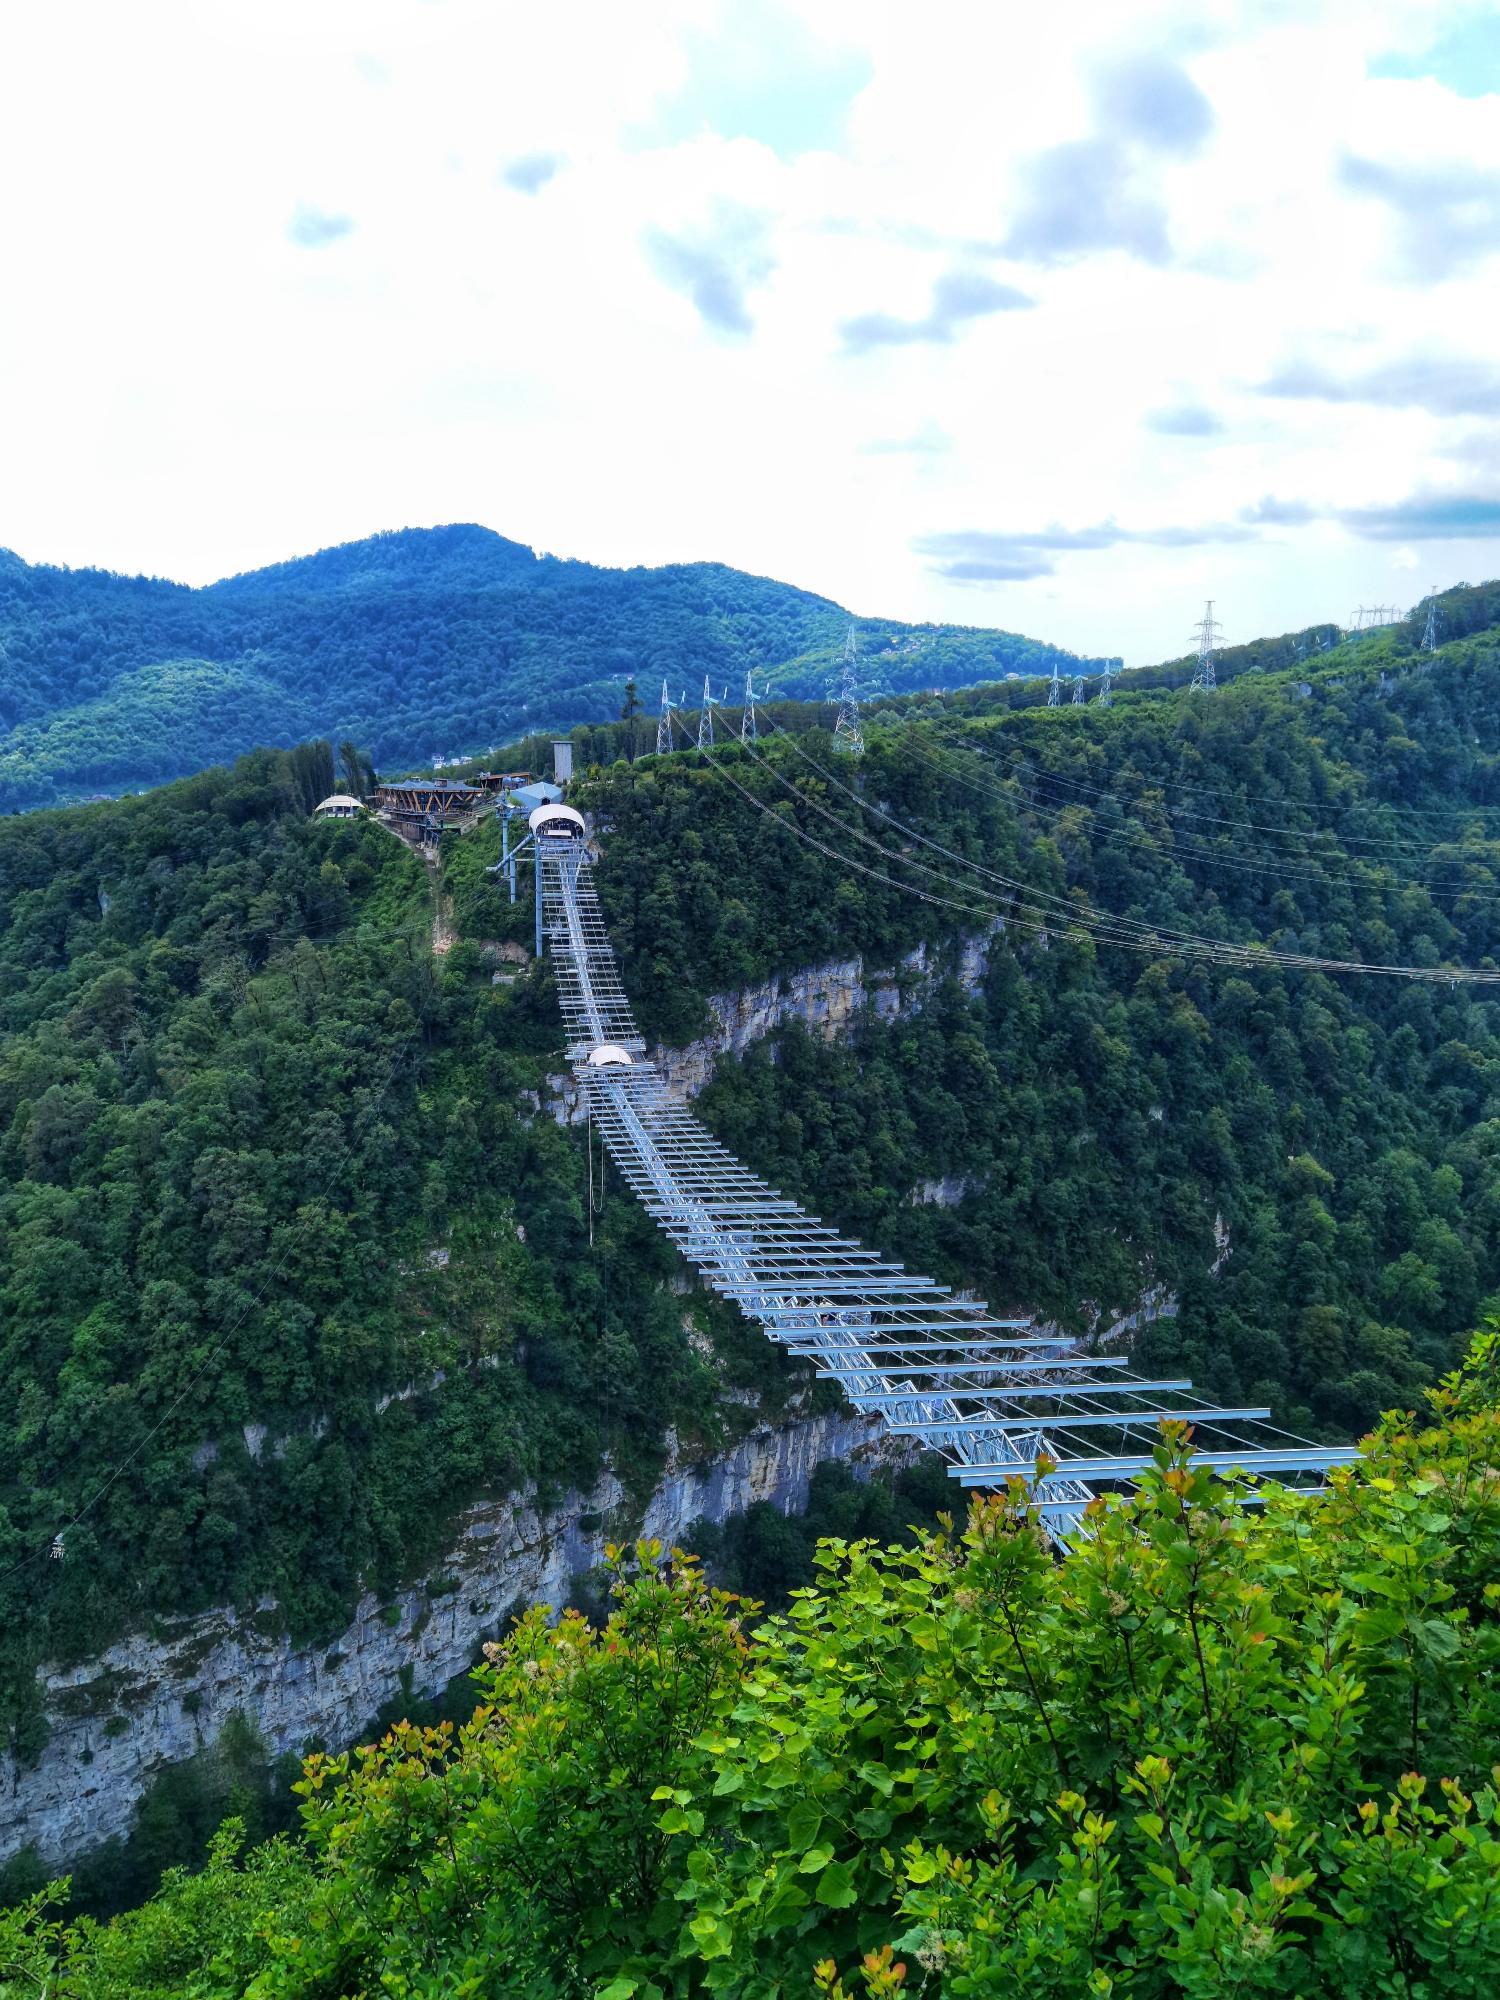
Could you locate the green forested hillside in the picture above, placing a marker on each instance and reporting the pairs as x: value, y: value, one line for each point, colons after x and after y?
x: 1120, y: 1117
x: 241, y: 1103
x: 1207, y: 1753
x: 415, y: 644
x: 139, y: 724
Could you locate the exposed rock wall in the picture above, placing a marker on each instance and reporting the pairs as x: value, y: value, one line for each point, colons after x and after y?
x: 1110, y: 1328
x: 947, y: 1192
x: 153, y: 1700
x: 826, y: 999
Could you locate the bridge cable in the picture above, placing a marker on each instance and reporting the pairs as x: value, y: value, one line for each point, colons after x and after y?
x: 1134, y: 933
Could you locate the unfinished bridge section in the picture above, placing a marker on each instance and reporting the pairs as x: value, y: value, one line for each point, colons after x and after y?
x: 998, y: 1398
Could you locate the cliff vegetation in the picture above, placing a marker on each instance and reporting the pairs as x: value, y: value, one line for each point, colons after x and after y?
x: 1208, y: 1752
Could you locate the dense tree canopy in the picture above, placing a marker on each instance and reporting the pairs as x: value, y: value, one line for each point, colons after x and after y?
x: 292, y: 1266
x: 289, y: 1266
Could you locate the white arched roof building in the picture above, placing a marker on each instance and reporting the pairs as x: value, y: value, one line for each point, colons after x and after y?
x: 556, y: 823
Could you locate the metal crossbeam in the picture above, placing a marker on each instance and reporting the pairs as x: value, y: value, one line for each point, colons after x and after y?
x: 1026, y: 1368
x: 1065, y: 1420
x: 1250, y: 1459
x: 860, y: 1317
x: 1006, y: 1391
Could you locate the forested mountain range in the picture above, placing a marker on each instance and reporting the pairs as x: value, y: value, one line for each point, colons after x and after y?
x: 414, y: 644
x: 242, y: 1103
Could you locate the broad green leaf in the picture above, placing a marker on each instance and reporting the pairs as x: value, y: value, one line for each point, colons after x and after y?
x: 836, y: 1886
x: 802, y: 1824
x: 713, y: 1938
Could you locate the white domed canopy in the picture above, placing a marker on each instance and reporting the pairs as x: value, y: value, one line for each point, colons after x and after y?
x: 556, y: 822
x: 338, y: 802
x: 607, y: 1054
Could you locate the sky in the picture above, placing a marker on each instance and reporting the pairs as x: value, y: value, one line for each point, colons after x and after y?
x: 1062, y: 319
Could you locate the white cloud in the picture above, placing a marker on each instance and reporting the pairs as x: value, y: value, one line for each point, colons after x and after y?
x: 310, y: 228
x: 529, y: 173
x: 645, y: 363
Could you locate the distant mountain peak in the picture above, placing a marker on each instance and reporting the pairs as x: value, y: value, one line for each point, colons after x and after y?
x: 399, y: 558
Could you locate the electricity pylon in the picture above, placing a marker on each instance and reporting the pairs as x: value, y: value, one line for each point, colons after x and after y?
x: 1208, y: 632
x: 1111, y: 668
x: 706, y: 718
x: 1080, y: 682
x: 847, y: 733
x: 664, y: 722
x: 1054, y: 686
x: 749, y: 733
x: 1370, y: 616
x: 1430, y: 632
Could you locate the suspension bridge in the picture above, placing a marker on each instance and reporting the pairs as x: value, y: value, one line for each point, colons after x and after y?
x: 998, y: 1398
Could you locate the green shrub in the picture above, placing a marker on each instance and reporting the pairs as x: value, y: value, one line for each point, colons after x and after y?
x: 1208, y: 1752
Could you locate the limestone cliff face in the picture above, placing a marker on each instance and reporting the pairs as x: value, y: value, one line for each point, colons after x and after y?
x: 150, y: 1701
x: 947, y: 1192
x: 826, y: 999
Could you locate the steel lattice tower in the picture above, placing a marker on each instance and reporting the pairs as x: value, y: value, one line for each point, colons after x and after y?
x: 1208, y: 632
x: 1054, y: 686
x: 847, y: 732
x: 749, y: 732
x: 1430, y: 631
x: 1368, y: 617
x: 1111, y: 668
x: 999, y: 1398
x: 664, y: 722
x: 706, y: 718
x: 1080, y: 684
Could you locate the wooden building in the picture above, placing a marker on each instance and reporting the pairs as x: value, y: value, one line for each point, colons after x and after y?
x: 421, y: 807
x: 445, y: 798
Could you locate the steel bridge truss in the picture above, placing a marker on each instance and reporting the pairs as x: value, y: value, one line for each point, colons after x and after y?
x: 998, y: 1398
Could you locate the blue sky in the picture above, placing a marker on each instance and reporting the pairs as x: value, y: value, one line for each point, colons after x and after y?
x: 1462, y: 55
x: 1061, y: 319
